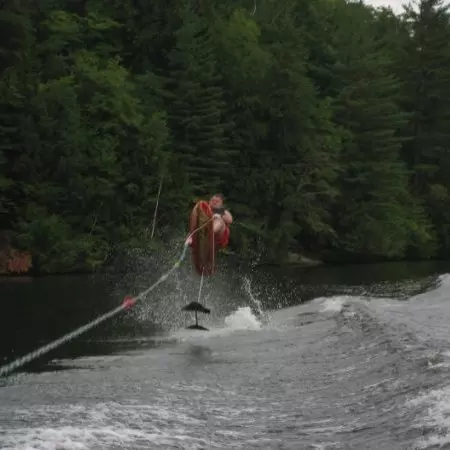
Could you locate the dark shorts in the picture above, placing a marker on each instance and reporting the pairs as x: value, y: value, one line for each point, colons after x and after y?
x: 222, y: 238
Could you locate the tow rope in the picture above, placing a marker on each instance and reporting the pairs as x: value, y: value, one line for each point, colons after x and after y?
x: 127, y: 303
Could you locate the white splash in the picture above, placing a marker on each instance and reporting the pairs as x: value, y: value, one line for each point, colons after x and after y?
x: 437, y: 412
x: 243, y: 318
x: 333, y: 304
x: 256, y: 302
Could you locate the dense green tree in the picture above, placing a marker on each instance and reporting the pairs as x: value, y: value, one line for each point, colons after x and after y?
x: 197, y: 107
x: 425, y: 71
x: 376, y: 215
x: 16, y: 87
x: 325, y: 123
x: 245, y: 65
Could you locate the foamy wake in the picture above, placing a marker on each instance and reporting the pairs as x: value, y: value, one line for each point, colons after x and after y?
x: 333, y: 304
x: 435, y: 405
x: 84, y: 438
x: 240, y: 320
x: 436, y: 415
x: 106, y: 425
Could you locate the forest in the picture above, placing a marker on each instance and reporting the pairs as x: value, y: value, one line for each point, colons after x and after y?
x: 325, y: 123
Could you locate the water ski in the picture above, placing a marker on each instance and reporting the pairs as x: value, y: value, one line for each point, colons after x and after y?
x: 196, y: 307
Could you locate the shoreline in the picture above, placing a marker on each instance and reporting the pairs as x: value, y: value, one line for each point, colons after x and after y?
x: 299, y: 265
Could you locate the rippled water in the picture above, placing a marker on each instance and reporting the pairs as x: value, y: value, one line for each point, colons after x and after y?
x: 348, y: 371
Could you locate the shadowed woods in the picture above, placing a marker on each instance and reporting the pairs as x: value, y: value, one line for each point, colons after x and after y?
x: 312, y: 117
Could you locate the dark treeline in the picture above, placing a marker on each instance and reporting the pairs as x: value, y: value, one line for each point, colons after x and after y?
x: 325, y: 123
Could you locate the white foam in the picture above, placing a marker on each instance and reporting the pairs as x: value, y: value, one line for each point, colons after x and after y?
x: 76, y: 438
x: 333, y: 304
x: 437, y: 415
x: 103, y: 425
x: 243, y: 319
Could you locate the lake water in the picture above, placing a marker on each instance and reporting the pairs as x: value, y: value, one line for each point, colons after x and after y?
x: 354, y: 357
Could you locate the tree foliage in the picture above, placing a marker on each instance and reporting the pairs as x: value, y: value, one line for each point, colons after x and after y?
x: 326, y: 124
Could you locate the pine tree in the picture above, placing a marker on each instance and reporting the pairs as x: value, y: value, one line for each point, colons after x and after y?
x: 16, y: 84
x: 294, y: 160
x: 426, y: 72
x: 374, y: 217
x: 197, y: 108
x: 244, y: 64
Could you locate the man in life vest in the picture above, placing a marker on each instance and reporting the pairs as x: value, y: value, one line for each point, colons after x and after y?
x: 222, y: 219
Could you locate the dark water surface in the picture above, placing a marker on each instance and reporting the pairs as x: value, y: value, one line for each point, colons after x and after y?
x: 331, y: 358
